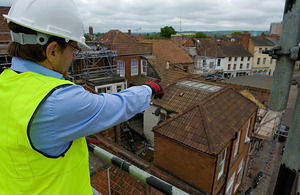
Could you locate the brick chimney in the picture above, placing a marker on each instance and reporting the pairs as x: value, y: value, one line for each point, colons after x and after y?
x: 129, y: 32
x: 245, y: 39
x: 91, y: 31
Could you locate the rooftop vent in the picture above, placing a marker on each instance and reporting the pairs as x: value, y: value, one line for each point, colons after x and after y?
x: 199, y: 86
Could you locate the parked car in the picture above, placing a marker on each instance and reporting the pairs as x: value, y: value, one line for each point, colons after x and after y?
x: 282, y: 132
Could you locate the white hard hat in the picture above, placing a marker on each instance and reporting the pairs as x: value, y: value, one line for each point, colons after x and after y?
x: 60, y: 18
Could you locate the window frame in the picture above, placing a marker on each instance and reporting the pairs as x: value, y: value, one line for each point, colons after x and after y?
x: 258, y: 61
x: 134, y: 67
x: 222, y: 163
x: 236, y: 149
x: 144, y: 66
x: 239, y: 175
x: 121, y: 69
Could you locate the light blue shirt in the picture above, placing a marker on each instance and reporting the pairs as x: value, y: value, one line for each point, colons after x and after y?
x: 72, y: 112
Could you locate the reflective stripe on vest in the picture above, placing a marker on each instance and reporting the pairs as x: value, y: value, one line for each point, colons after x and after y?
x: 24, y: 170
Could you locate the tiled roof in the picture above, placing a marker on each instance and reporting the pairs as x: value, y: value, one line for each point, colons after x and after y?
x: 123, y: 43
x: 256, y: 80
x: 262, y: 41
x: 208, y: 126
x: 166, y: 50
x: 234, y: 50
x: 177, y: 98
x: 208, y: 48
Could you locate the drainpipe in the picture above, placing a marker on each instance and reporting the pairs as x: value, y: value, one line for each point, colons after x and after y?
x: 287, y: 53
x: 216, y: 164
x: 228, y: 167
x: 108, y: 181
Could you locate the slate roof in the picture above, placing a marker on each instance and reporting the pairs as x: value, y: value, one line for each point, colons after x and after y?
x: 210, y: 124
x: 261, y: 41
x: 167, y: 50
x: 234, y: 50
x: 255, y: 80
x: 123, y: 43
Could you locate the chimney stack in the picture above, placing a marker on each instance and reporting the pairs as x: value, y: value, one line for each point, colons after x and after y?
x: 129, y: 32
x: 245, y: 39
x: 91, y: 31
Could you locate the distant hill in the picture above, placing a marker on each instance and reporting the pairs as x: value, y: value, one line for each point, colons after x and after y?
x: 228, y: 32
x: 217, y: 33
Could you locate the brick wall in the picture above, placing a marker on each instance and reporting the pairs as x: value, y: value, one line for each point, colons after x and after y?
x: 127, y: 61
x: 189, y: 165
x: 4, y: 30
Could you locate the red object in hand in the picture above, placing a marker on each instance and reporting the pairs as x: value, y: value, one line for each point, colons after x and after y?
x: 91, y: 140
x: 157, y: 90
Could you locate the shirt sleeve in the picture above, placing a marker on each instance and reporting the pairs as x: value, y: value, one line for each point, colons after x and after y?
x: 72, y: 112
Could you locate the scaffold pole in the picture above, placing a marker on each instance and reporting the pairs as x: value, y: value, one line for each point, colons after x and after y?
x: 135, y: 171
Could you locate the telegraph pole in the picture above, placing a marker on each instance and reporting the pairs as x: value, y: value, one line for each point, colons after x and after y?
x: 286, y: 53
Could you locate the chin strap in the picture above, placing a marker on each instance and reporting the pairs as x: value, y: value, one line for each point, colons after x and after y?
x: 30, y: 39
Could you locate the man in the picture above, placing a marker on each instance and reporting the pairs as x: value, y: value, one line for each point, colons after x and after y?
x: 44, y: 118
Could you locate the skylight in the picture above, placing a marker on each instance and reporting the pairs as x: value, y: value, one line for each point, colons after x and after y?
x: 199, y: 86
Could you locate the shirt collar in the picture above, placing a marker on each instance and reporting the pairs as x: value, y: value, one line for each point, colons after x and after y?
x: 21, y: 65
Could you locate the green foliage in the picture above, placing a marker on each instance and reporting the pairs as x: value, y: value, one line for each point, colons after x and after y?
x: 167, y: 31
x: 200, y: 35
x: 99, y: 34
x: 236, y: 33
x: 154, y: 36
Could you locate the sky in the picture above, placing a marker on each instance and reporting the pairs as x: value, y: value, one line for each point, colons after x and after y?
x: 183, y: 15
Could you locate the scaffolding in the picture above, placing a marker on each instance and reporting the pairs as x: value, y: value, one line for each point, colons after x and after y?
x: 93, y: 64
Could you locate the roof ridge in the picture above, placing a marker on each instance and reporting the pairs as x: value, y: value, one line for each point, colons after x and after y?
x: 207, y: 131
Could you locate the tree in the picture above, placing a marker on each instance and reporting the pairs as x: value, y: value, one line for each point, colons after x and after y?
x: 167, y: 31
x: 200, y: 35
x: 236, y: 33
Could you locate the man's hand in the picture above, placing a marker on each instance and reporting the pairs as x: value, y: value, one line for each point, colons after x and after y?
x: 157, y: 90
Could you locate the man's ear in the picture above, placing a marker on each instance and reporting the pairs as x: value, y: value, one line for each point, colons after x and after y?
x: 52, y: 51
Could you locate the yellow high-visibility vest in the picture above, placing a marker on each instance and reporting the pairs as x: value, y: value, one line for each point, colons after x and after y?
x: 23, y: 169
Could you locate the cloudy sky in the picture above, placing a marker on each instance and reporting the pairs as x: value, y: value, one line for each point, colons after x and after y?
x: 185, y: 15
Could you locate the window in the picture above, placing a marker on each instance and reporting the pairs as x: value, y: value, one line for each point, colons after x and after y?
x: 248, y: 65
x: 260, y: 50
x: 163, y: 116
x: 230, y: 185
x: 242, y: 58
x: 271, y: 60
x: 235, y: 59
x: 119, y: 88
x: 248, y: 58
x: 237, y: 144
x: 211, y: 64
x: 234, y: 66
x: 219, y: 62
x: 264, y: 60
x: 247, y: 139
x: 134, y: 67
x: 241, y: 66
x: 121, y: 67
x: 222, y: 163
x: 204, y: 62
x: 229, y: 59
x: 229, y: 66
x: 239, y: 175
x: 144, y: 66
x: 258, y: 60
x: 106, y: 89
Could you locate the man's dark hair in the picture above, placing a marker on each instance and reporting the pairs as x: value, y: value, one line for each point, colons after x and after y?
x: 35, y: 53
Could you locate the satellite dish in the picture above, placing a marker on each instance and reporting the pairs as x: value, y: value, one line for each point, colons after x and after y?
x: 157, y: 111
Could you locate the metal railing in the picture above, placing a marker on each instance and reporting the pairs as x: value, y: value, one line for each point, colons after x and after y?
x: 135, y: 171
